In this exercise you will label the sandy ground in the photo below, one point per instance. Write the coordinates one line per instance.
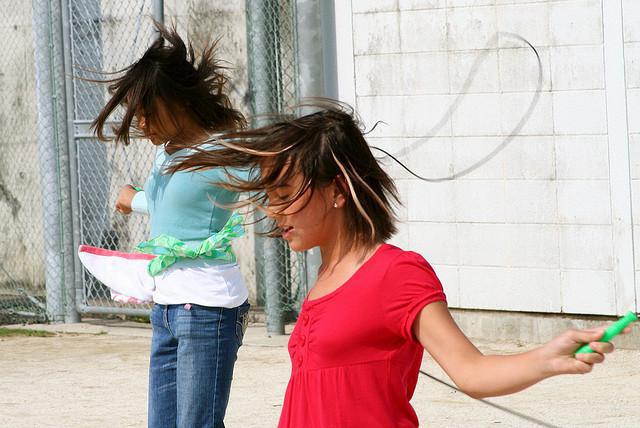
(95, 375)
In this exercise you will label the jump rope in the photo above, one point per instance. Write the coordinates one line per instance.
(612, 330)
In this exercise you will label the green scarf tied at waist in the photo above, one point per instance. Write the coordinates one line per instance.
(169, 249)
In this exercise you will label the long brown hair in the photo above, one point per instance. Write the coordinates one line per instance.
(323, 146)
(167, 71)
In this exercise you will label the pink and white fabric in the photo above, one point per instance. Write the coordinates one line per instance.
(124, 273)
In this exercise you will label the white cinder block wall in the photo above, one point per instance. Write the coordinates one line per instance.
(543, 226)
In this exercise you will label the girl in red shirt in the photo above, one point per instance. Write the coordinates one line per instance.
(358, 343)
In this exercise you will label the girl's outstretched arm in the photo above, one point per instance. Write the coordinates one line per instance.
(491, 375)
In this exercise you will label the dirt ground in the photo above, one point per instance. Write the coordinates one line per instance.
(95, 375)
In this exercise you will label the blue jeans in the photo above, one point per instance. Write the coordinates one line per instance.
(193, 351)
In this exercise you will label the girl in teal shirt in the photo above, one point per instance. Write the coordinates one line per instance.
(200, 309)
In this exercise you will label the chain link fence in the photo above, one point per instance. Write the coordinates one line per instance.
(106, 37)
(22, 263)
(58, 184)
(273, 75)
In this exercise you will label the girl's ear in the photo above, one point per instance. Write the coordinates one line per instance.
(340, 191)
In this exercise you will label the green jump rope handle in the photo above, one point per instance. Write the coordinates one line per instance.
(611, 332)
(137, 189)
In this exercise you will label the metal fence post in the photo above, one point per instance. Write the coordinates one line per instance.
(72, 314)
(157, 8)
(317, 75)
(105, 36)
(93, 184)
(263, 87)
(54, 158)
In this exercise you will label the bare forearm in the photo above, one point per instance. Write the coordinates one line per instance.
(494, 375)
(491, 375)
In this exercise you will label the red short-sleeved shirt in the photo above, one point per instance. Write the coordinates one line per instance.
(354, 357)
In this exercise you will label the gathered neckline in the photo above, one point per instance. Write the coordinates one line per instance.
(311, 302)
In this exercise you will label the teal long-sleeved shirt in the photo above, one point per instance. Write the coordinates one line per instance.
(184, 204)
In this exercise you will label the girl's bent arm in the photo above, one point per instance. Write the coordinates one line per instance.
(491, 375)
(130, 200)
(139, 203)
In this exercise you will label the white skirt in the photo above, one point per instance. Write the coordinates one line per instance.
(200, 282)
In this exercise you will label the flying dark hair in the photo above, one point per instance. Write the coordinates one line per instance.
(168, 72)
(322, 147)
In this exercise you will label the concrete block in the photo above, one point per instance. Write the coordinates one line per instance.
(584, 202)
(635, 201)
(388, 109)
(632, 64)
(634, 155)
(576, 22)
(480, 201)
(475, 283)
(424, 74)
(580, 112)
(437, 242)
(449, 277)
(468, 151)
(464, 69)
(401, 238)
(422, 4)
(375, 33)
(423, 30)
(636, 240)
(582, 157)
(515, 289)
(535, 290)
(533, 246)
(499, 2)
(577, 67)
(516, 107)
(531, 201)
(530, 327)
(394, 146)
(378, 74)
(477, 114)
(588, 292)
(471, 28)
(633, 110)
(359, 6)
(586, 247)
(430, 157)
(431, 201)
(426, 115)
(483, 244)
(631, 24)
(469, 3)
(519, 69)
(401, 208)
(530, 21)
(530, 158)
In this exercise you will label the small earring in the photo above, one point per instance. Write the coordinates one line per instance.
(335, 204)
